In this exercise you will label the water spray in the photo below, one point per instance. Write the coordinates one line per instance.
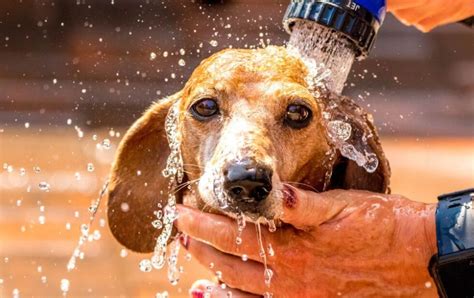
(334, 33)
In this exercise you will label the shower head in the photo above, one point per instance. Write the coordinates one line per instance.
(356, 20)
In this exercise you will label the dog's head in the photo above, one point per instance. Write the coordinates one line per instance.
(247, 124)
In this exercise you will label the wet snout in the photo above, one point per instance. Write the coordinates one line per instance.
(247, 183)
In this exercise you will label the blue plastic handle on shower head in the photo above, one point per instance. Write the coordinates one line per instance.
(376, 7)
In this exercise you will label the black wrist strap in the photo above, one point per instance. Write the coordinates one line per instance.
(453, 267)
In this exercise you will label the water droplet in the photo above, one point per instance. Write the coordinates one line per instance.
(245, 258)
(68, 226)
(214, 43)
(123, 253)
(270, 250)
(96, 235)
(173, 272)
(106, 144)
(16, 293)
(44, 186)
(339, 130)
(69, 122)
(41, 219)
(22, 172)
(90, 167)
(165, 54)
(181, 62)
(219, 274)
(428, 285)
(152, 56)
(124, 207)
(93, 208)
(37, 170)
(238, 240)
(372, 162)
(271, 226)
(145, 265)
(85, 230)
(158, 260)
(27, 124)
(182, 52)
(162, 295)
(64, 285)
(268, 276)
(157, 224)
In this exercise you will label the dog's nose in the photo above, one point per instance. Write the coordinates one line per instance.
(247, 181)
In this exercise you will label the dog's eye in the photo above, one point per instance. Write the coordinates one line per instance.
(298, 116)
(204, 108)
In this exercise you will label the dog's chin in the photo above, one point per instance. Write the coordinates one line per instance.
(252, 211)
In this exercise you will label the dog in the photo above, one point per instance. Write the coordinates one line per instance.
(249, 124)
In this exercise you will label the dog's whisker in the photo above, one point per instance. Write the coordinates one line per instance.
(189, 172)
(184, 185)
(290, 184)
(193, 165)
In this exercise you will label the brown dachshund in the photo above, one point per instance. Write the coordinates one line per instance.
(249, 124)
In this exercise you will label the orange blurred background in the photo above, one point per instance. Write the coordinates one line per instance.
(74, 73)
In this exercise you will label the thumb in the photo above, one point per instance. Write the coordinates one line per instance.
(306, 209)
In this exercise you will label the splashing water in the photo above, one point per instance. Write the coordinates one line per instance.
(173, 271)
(164, 219)
(329, 58)
(267, 273)
(64, 286)
(85, 229)
(348, 131)
(240, 228)
(330, 54)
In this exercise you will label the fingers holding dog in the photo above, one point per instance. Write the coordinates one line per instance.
(306, 210)
(221, 232)
(248, 277)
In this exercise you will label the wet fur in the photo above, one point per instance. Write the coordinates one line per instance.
(253, 88)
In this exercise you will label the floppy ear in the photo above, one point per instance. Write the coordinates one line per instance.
(347, 174)
(137, 185)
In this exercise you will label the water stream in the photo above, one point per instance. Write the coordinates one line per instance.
(328, 57)
(330, 54)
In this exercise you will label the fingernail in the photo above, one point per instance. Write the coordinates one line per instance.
(184, 240)
(289, 197)
(196, 293)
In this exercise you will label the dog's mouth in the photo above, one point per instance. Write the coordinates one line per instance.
(243, 189)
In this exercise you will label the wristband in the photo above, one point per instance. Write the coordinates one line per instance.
(452, 267)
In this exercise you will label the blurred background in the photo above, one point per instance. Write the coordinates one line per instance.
(75, 74)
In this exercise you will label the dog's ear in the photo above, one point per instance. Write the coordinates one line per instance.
(347, 174)
(137, 186)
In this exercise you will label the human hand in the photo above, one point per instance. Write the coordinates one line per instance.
(334, 243)
(428, 14)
